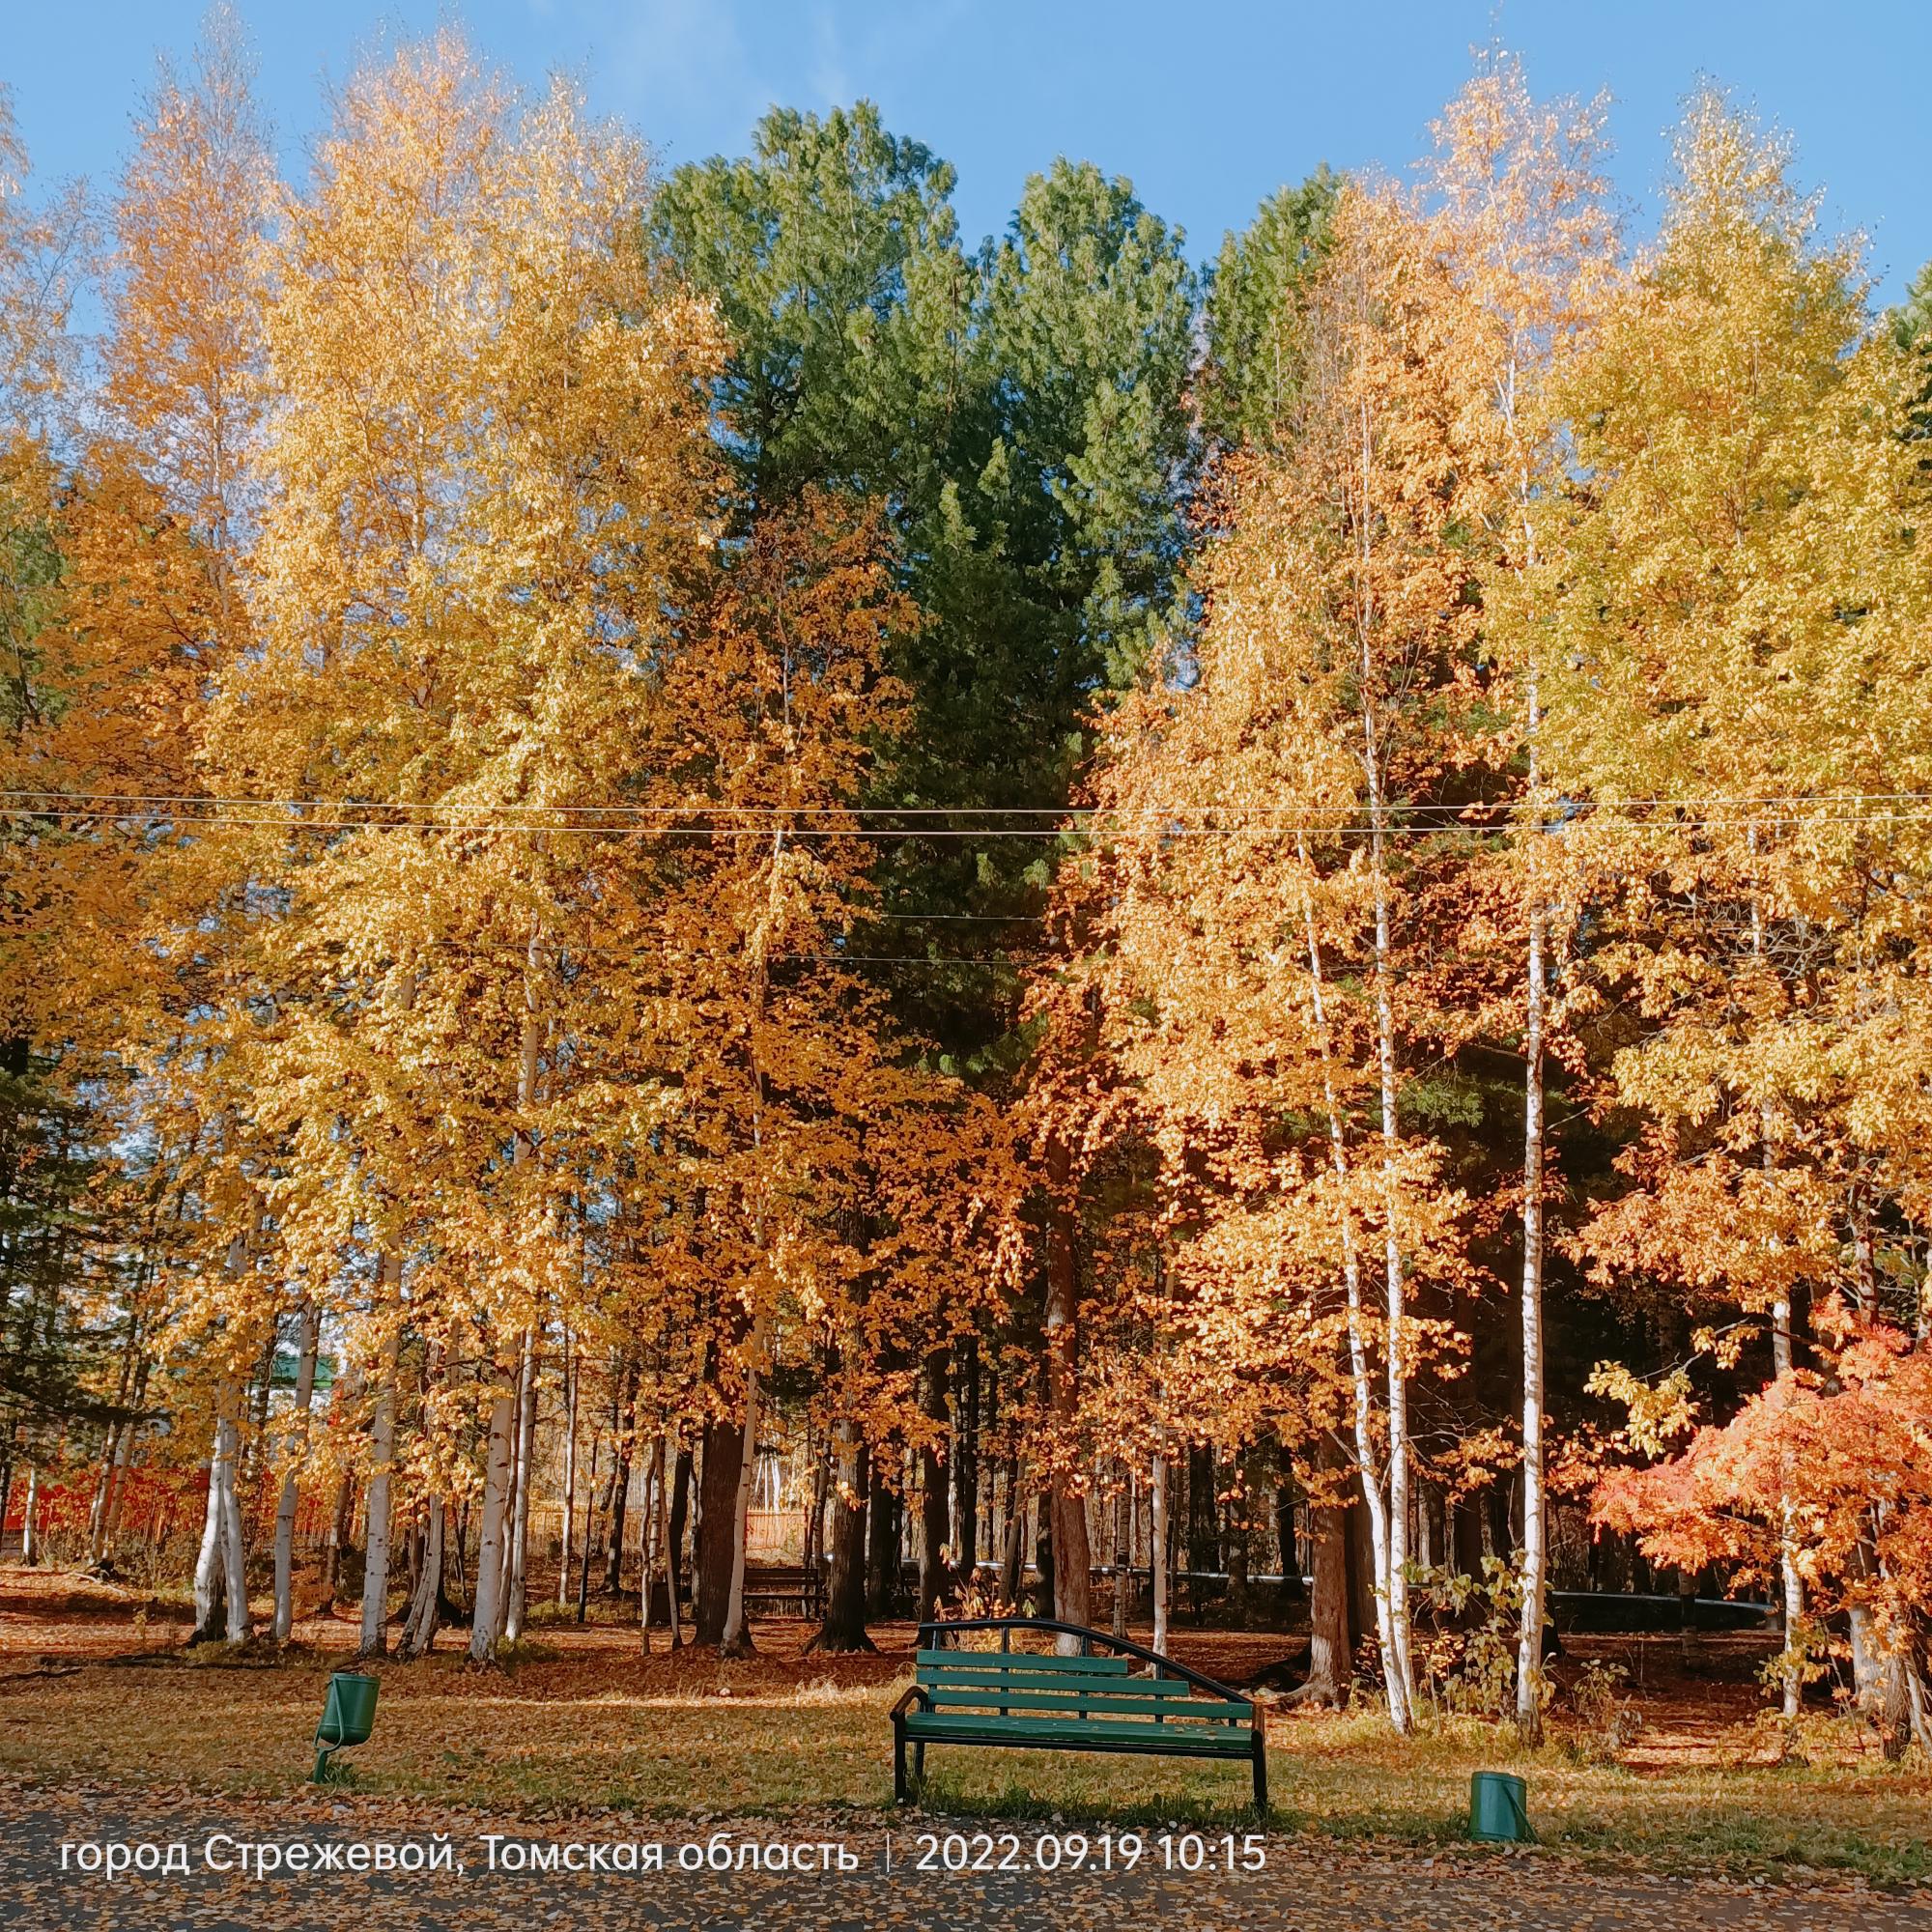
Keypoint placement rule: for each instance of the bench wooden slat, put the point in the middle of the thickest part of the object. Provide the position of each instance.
(1039, 1680)
(1210, 1740)
(1027, 1659)
(1069, 1703)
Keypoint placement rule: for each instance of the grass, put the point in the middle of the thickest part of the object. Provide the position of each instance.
(539, 1740)
(585, 1725)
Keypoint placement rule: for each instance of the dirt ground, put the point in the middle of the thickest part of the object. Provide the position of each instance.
(1694, 1709)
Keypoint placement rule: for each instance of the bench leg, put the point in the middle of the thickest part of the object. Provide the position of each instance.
(899, 1792)
(1261, 1775)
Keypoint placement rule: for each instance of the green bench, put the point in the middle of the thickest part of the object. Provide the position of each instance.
(1124, 1699)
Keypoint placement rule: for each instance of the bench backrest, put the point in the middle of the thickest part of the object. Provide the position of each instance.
(1026, 1685)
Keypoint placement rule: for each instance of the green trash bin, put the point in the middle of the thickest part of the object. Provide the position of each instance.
(1498, 1813)
(348, 1717)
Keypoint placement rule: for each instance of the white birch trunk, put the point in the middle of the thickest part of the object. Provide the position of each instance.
(382, 1466)
(736, 1638)
(570, 1382)
(1793, 1584)
(228, 1442)
(208, 1559)
(30, 1549)
(1157, 1550)
(1535, 1516)
(668, 1449)
(520, 1520)
(294, 1449)
(486, 1625)
(1921, 1714)
(655, 1503)
(1363, 1406)
(220, 1553)
(420, 1623)
(493, 1568)
(1401, 1688)
(1780, 1365)
(383, 1422)
(1123, 1549)
(220, 1556)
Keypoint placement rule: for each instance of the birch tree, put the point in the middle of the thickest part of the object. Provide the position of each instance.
(1517, 209)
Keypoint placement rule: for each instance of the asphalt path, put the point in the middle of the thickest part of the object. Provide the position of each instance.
(897, 1880)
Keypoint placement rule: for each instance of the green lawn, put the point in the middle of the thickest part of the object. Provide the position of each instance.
(579, 1733)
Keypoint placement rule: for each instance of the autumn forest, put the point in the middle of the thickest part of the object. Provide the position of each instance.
(686, 862)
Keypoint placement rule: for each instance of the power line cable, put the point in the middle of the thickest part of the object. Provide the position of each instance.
(195, 815)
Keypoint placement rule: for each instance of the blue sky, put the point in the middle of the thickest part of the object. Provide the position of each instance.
(1207, 106)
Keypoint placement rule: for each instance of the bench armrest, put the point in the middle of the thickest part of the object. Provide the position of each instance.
(915, 1693)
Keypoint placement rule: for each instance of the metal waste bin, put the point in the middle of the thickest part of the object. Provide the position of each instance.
(348, 1717)
(1498, 1812)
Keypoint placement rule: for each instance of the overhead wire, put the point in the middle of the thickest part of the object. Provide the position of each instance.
(1158, 822)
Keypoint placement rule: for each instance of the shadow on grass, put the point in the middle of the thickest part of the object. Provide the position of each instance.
(936, 1797)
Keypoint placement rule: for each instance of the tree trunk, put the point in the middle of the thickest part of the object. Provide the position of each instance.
(1781, 1364)
(1793, 1582)
(419, 1624)
(681, 1516)
(97, 1514)
(118, 1431)
(966, 1460)
(342, 1516)
(296, 1448)
(341, 1520)
(1014, 1547)
(1204, 1529)
(1240, 1603)
(624, 1431)
(1535, 1516)
(1157, 1550)
(718, 1492)
(1284, 1499)
(218, 1576)
(844, 1627)
(1880, 1671)
(1465, 1519)
(1331, 1649)
(29, 1551)
(589, 1533)
(1395, 1581)
(1369, 1478)
(814, 1516)
(234, 1574)
(673, 1463)
(1365, 1603)
(735, 1639)
(935, 1507)
(1043, 1555)
(1879, 1681)
(882, 1523)
(1072, 1558)
(570, 1380)
(486, 1622)
(1123, 1549)
(209, 1573)
(655, 1502)
(519, 1514)
(382, 1466)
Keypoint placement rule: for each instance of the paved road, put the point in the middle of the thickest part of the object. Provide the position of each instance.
(1305, 1887)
